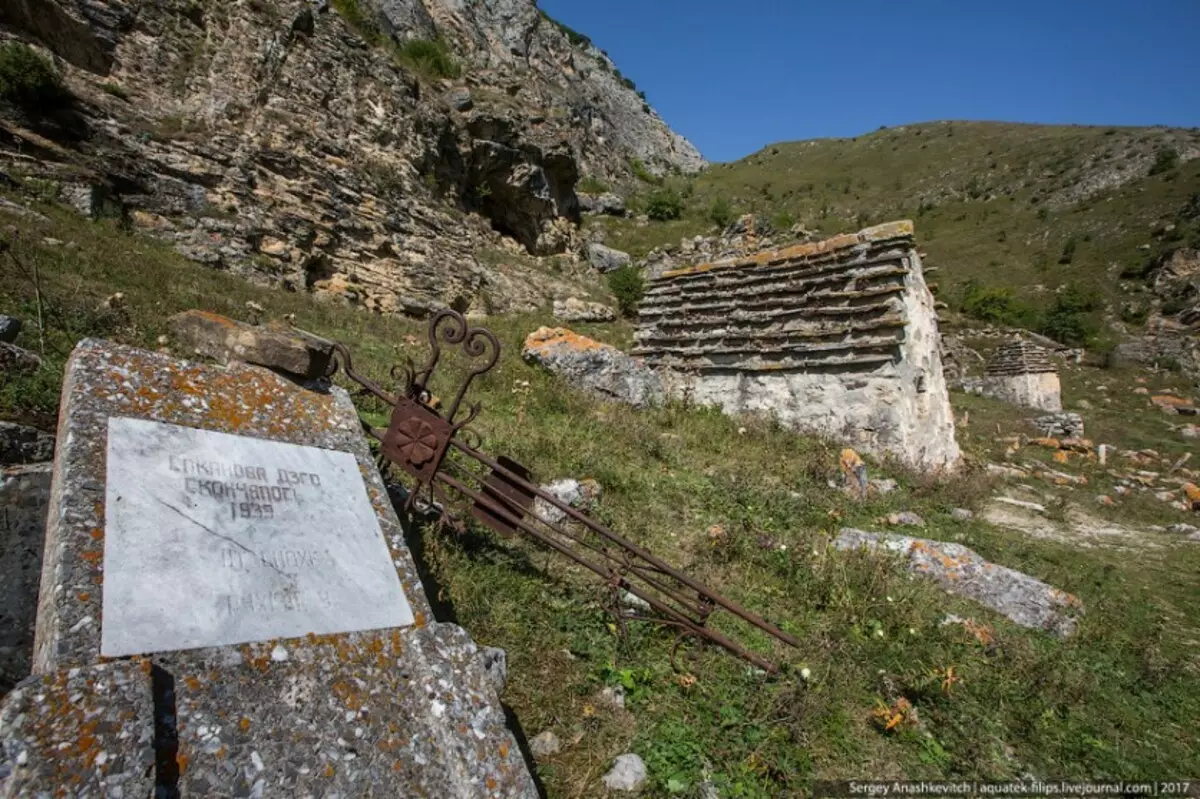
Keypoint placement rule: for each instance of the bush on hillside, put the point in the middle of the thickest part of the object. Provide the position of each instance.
(29, 81)
(720, 212)
(664, 205)
(1068, 321)
(1166, 160)
(997, 305)
(1068, 253)
(628, 287)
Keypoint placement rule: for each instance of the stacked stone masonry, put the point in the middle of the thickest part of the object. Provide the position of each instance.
(837, 337)
(1021, 373)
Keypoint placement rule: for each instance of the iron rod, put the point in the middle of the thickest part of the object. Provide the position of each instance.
(661, 607)
(729, 605)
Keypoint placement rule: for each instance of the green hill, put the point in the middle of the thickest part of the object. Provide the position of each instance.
(1021, 208)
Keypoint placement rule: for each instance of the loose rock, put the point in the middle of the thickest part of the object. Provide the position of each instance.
(907, 518)
(9, 328)
(1024, 599)
(628, 774)
(577, 310)
(15, 360)
(606, 259)
(962, 515)
(582, 495)
(21, 444)
(226, 340)
(607, 203)
(594, 367)
(545, 744)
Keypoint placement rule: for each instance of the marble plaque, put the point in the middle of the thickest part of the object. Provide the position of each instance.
(213, 539)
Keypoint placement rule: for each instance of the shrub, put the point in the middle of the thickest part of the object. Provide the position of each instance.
(628, 287)
(1067, 319)
(720, 212)
(28, 80)
(1166, 160)
(997, 305)
(573, 36)
(783, 221)
(1068, 252)
(430, 57)
(663, 205)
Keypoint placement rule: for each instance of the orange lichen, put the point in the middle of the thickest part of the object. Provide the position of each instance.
(329, 772)
(182, 760)
(420, 620)
(192, 683)
(504, 750)
(83, 596)
(244, 724)
(546, 338)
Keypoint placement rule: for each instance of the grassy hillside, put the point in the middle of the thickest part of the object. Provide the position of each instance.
(746, 507)
(1030, 208)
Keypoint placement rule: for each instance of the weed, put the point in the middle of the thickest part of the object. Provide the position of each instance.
(628, 287)
(664, 204)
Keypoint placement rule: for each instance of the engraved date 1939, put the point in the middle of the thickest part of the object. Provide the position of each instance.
(251, 510)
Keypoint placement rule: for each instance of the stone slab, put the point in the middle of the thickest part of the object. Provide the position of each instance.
(276, 347)
(104, 380)
(80, 732)
(403, 711)
(24, 498)
(1025, 600)
(213, 539)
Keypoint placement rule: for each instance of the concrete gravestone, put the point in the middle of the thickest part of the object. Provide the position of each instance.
(213, 539)
(228, 606)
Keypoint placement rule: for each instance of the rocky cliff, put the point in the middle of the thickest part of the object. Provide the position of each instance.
(401, 156)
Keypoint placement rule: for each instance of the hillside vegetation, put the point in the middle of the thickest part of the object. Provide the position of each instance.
(748, 508)
(1018, 210)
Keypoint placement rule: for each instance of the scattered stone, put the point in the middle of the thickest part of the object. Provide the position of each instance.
(20, 211)
(1168, 403)
(962, 515)
(24, 500)
(628, 774)
(606, 259)
(21, 444)
(460, 99)
(1023, 599)
(590, 366)
(882, 486)
(545, 744)
(1190, 431)
(16, 360)
(495, 664)
(1020, 503)
(1060, 425)
(1183, 529)
(1105, 500)
(607, 203)
(1192, 492)
(225, 340)
(905, 518)
(582, 495)
(612, 697)
(9, 328)
(854, 472)
(1001, 470)
(577, 310)
(1084, 405)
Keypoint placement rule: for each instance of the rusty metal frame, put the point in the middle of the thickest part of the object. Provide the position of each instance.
(431, 447)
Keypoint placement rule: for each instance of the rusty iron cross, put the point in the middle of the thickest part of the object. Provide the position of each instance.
(431, 447)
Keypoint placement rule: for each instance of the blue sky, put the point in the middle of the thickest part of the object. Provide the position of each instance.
(736, 75)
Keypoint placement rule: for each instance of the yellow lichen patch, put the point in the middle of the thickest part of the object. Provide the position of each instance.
(244, 724)
(192, 683)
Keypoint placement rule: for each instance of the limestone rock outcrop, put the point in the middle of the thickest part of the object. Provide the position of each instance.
(838, 337)
(307, 151)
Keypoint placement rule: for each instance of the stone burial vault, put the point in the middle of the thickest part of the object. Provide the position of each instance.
(837, 337)
(228, 607)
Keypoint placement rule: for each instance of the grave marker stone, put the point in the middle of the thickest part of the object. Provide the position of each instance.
(244, 651)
